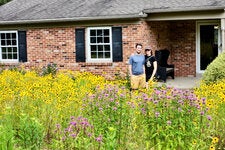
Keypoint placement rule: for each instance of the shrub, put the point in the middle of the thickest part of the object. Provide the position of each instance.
(215, 70)
(51, 68)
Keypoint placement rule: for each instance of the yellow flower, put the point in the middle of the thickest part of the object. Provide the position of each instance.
(215, 140)
(212, 147)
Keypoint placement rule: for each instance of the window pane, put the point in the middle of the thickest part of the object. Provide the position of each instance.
(14, 56)
(107, 55)
(107, 47)
(106, 39)
(14, 49)
(8, 42)
(10, 50)
(8, 35)
(100, 47)
(93, 48)
(100, 55)
(3, 49)
(93, 55)
(93, 39)
(9, 56)
(4, 56)
(99, 40)
(99, 33)
(2, 42)
(13, 42)
(14, 35)
(2, 36)
(93, 33)
(106, 32)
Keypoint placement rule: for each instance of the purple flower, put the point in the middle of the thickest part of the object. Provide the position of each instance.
(157, 114)
(73, 135)
(122, 95)
(155, 102)
(179, 109)
(73, 123)
(202, 113)
(99, 138)
(58, 126)
(114, 108)
(169, 122)
(89, 134)
(209, 117)
(63, 138)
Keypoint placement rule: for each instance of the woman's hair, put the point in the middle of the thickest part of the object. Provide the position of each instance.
(149, 50)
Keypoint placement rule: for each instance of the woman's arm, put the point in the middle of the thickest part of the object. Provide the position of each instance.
(154, 70)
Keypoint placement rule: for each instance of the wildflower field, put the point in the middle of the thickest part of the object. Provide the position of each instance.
(72, 110)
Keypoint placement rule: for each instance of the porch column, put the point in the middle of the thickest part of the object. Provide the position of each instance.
(223, 34)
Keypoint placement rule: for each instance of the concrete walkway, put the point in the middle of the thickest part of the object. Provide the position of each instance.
(183, 82)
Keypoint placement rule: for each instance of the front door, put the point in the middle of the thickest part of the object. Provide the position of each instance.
(207, 44)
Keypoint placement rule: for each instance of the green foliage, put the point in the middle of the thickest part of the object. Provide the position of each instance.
(4, 1)
(105, 116)
(215, 70)
(49, 69)
(6, 132)
(29, 133)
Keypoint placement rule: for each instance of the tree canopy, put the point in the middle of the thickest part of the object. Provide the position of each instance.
(4, 1)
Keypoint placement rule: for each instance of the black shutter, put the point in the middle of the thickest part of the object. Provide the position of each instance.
(22, 41)
(80, 45)
(117, 44)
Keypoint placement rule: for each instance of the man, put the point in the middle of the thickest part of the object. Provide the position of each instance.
(137, 68)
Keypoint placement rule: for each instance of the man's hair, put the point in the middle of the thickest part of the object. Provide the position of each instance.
(138, 44)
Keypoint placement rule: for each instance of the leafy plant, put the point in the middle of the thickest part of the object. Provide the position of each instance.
(4, 1)
(30, 133)
(6, 132)
(51, 68)
(215, 70)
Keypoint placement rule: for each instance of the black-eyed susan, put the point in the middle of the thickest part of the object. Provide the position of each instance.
(212, 147)
(215, 140)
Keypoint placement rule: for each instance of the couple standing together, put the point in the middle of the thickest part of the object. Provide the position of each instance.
(142, 68)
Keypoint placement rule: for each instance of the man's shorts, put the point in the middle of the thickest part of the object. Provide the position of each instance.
(138, 81)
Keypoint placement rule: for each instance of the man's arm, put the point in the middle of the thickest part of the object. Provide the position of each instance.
(130, 69)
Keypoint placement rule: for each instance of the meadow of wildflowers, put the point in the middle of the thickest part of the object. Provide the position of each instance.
(73, 110)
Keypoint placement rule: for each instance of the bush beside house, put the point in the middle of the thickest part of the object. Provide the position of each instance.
(216, 70)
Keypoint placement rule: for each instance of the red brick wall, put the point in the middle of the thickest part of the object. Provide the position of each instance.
(57, 45)
(180, 38)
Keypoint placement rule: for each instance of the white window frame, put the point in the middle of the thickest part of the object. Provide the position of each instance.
(9, 60)
(88, 48)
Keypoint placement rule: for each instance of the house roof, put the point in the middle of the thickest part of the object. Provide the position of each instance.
(41, 11)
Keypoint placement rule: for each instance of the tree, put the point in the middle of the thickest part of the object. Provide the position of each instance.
(4, 1)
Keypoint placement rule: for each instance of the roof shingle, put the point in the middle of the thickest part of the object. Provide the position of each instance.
(45, 10)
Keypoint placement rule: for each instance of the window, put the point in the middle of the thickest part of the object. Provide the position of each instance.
(99, 44)
(8, 46)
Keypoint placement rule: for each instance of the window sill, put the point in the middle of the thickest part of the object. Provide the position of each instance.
(99, 64)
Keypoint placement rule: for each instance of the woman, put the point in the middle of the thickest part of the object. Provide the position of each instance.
(150, 65)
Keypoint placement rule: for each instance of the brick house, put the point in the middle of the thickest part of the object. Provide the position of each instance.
(100, 35)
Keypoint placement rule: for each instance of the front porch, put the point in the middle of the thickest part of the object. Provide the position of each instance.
(190, 50)
(183, 82)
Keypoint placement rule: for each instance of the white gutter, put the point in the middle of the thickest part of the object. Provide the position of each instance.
(168, 9)
(77, 19)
